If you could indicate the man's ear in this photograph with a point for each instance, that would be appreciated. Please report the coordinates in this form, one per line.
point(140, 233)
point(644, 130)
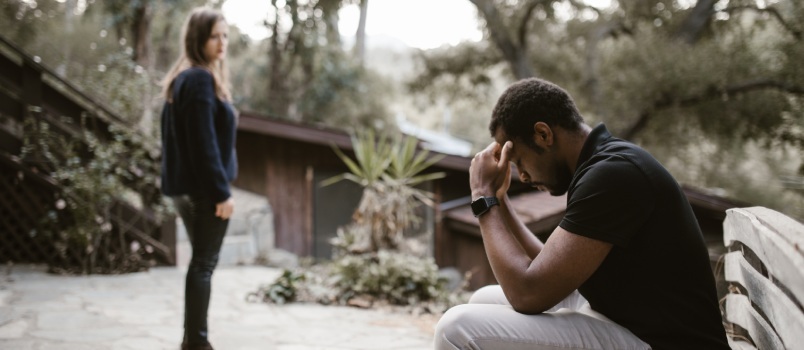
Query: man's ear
point(542, 135)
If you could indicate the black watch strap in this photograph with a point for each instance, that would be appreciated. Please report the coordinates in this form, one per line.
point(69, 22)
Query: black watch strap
point(483, 204)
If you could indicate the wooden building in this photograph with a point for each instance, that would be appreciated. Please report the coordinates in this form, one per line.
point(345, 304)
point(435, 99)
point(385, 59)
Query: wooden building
point(285, 162)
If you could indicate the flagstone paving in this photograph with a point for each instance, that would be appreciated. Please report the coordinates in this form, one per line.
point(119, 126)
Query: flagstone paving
point(41, 311)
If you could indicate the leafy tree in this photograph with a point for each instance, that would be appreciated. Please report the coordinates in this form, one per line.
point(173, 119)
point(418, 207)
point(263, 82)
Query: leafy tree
point(667, 74)
point(132, 19)
point(308, 75)
point(74, 42)
point(22, 21)
point(145, 22)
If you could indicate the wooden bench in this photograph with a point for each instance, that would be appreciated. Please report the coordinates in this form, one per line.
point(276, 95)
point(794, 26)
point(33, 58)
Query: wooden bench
point(764, 268)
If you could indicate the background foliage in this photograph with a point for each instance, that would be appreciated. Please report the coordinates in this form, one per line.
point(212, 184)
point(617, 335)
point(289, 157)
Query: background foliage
point(95, 176)
point(713, 88)
point(366, 280)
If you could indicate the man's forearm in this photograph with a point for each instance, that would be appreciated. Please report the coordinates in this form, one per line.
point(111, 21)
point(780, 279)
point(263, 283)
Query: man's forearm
point(508, 260)
point(529, 242)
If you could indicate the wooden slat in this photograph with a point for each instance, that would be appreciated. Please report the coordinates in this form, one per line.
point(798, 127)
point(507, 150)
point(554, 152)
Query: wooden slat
point(740, 312)
point(740, 345)
point(779, 251)
point(786, 317)
point(127, 218)
point(791, 230)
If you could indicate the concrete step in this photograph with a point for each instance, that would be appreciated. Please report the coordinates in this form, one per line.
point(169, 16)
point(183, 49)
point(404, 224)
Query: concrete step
point(236, 250)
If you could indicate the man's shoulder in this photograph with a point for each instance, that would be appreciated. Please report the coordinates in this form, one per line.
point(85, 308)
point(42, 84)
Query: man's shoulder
point(617, 166)
point(616, 154)
point(613, 173)
point(615, 146)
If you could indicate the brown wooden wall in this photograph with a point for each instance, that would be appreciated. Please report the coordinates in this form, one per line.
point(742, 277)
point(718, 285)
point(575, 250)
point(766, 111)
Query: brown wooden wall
point(464, 250)
point(282, 170)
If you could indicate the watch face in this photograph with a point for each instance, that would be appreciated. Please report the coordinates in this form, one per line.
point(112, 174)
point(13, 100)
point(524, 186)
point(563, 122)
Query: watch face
point(479, 205)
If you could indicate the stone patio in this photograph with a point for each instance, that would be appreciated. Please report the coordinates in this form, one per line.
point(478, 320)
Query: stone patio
point(144, 311)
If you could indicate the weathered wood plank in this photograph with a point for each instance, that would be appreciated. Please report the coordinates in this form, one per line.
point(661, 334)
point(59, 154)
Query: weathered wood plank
point(791, 230)
point(740, 345)
point(784, 315)
point(779, 251)
point(740, 312)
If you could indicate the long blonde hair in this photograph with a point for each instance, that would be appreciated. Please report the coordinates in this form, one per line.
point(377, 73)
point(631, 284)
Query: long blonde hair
point(196, 33)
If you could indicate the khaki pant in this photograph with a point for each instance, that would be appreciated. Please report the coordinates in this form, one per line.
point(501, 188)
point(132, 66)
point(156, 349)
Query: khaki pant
point(489, 322)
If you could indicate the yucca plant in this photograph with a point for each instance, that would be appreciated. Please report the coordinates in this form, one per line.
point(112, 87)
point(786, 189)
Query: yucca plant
point(373, 156)
point(406, 165)
point(388, 170)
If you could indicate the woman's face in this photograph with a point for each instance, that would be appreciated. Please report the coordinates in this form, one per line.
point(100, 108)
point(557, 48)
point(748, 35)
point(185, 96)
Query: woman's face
point(215, 48)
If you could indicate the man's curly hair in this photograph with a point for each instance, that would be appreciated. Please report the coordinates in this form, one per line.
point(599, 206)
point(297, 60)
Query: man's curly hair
point(533, 100)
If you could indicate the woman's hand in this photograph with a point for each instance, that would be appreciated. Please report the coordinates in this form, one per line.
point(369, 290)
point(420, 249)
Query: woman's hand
point(490, 172)
point(224, 209)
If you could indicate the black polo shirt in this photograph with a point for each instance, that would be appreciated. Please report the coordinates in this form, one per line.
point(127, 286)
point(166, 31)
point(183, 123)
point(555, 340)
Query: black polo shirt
point(656, 281)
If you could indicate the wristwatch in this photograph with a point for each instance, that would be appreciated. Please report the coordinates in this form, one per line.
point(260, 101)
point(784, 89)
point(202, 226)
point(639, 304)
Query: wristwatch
point(483, 204)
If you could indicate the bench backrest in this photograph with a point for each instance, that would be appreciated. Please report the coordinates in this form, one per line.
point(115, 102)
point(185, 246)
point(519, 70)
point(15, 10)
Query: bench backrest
point(765, 271)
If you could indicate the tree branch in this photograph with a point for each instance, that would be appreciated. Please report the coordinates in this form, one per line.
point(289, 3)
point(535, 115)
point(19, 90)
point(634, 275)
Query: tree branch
point(712, 92)
point(515, 55)
point(591, 82)
point(771, 10)
point(522, 31)
point(697, 20)
point(585, 6)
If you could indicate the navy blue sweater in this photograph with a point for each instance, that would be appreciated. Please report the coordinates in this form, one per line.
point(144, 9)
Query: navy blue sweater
point(198, 139)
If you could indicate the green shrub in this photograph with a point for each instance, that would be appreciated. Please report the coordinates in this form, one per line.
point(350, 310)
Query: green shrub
point(92, 174)
point(401, 279)
point(385, 277)
point(283, 290)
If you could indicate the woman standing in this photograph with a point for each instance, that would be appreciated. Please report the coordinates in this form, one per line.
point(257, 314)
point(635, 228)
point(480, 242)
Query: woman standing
point(198, 157)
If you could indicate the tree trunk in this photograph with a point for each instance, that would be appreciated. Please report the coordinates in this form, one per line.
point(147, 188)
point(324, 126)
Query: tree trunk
point(330, 16)
point(514, 53)
point(277, 101)
point(360, 35)
point(69, 15)
point(591, 74)
point(300, 53)
point(141, 30)
point(696, 22)
point(163, 59)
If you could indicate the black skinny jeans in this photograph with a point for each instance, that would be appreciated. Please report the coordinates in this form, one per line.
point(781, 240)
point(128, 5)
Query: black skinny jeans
point(205, 231)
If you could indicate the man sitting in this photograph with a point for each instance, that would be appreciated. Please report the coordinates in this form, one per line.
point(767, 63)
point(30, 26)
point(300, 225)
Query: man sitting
point(625, 269)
